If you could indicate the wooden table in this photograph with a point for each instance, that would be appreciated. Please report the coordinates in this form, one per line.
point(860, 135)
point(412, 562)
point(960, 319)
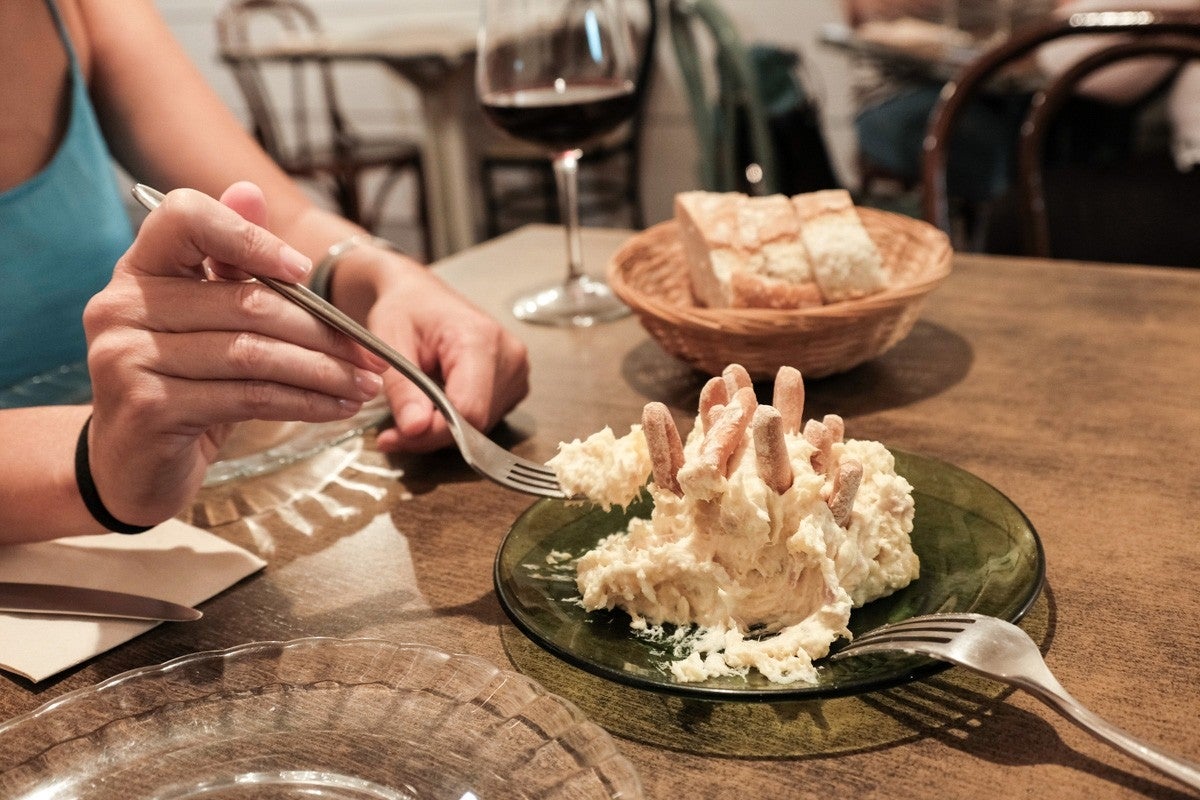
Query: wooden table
point(1070, 387)
point(438, 59)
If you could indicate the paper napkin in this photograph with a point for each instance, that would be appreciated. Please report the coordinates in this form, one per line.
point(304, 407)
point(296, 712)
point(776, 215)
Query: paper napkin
point(174, 561)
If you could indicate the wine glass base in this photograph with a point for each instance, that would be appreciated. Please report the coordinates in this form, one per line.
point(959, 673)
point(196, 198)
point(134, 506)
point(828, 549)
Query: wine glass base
point(578, 303)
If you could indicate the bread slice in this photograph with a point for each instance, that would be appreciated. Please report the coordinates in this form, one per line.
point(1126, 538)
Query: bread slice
point(776, 272)
point(845, 262)
point(744, 252)
point(708, 230)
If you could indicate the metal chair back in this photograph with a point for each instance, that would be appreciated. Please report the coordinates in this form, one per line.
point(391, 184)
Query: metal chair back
point(722, 86)
point(1143, 33)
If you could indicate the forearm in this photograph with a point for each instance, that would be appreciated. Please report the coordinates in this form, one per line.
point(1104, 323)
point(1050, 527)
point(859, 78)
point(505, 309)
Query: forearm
point(169, 128)
point(39, 499)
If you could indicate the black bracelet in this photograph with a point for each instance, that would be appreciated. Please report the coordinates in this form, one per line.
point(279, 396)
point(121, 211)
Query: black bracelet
point(87, 489)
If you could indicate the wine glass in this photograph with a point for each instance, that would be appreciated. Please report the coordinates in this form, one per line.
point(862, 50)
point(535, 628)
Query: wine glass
point(559, 74)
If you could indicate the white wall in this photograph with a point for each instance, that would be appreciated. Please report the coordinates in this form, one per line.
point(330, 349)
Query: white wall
point(671, 152)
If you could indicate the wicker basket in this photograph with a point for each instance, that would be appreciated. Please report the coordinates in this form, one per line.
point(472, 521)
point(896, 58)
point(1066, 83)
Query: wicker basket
point(649, 273)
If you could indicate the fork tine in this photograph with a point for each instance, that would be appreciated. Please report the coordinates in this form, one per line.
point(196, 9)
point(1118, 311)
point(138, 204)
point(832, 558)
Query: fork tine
point(884, 646)
point(916, 633)
point(910, 634)
point(534, 478)
point(927, 629)
point(942, 622)
point(964, 618)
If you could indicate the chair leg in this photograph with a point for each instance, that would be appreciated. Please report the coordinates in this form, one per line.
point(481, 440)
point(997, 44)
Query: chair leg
point(491, 202)
point(373, 217)
point(348, 197)
point(423, 212)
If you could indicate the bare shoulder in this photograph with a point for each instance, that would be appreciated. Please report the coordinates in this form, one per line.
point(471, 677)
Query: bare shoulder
point(101, 25)
point(34, 77)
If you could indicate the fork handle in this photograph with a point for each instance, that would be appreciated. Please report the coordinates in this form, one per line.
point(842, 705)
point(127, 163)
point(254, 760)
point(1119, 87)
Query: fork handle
point(1183, 771)
point(334, 317)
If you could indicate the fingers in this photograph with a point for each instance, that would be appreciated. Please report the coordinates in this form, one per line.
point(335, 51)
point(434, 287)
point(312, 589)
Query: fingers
point(189, 227)
point(217, 356)
point(212, 377)
point(184, 307)
point(248, 201)
point(485, 372)
point(190, 344)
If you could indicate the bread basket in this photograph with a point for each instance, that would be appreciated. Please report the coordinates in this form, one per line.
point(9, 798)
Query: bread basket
point(650, 274)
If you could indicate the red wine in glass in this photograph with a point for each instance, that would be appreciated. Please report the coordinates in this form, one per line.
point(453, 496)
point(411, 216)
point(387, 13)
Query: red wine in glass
point(559, 74)
point(562, 118)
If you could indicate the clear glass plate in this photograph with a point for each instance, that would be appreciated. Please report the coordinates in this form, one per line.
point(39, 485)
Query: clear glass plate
point(978, 553)
point(254, 448)
point(352, 719)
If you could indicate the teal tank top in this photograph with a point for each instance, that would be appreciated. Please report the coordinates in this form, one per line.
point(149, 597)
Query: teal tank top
point(61, 233)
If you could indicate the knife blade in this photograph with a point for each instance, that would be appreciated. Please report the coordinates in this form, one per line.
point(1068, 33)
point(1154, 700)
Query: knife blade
point(49, 598)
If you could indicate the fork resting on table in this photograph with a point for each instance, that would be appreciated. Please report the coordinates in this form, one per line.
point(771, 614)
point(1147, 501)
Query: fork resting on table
point(481, 453)
point(1002, 651)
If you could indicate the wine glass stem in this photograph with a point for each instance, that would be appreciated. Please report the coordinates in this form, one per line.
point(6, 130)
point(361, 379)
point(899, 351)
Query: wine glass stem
point(566, 175)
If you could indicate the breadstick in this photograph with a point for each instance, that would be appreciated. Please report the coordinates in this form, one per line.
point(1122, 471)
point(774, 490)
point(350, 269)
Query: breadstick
point(774, 466)
point(664, 444)
point(836, 426)
point(845, 487)
point(736, 378)
point(746, 399)
point(715, 393)
point(818, 436)
point(789, 398)
point(723, 437)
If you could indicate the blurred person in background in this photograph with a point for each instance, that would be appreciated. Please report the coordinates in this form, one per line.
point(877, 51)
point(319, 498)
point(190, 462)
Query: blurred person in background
point(893, 99)
point(1129, 83)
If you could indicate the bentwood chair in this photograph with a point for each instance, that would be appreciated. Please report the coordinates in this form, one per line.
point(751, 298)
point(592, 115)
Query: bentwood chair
point(736, 149)
point(518, 180)
point(1136, 211)
point(305, 128)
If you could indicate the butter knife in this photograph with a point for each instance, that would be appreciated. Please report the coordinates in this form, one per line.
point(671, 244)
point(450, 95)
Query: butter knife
point(49, 598)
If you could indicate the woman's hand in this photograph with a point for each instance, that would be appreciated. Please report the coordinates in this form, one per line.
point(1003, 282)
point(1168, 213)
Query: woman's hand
point(483, 367)
point(175, 360)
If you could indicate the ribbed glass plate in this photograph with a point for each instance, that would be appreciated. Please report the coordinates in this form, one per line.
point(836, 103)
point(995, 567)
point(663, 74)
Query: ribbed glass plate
point(978, 553)
point(254, 448)
point(356, 719)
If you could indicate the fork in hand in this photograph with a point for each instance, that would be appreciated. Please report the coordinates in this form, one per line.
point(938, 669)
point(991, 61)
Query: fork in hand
point(481, 453)
point(1002, 651)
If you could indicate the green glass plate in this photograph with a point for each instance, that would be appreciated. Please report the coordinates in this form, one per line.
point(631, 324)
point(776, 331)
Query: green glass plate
point(978, 552)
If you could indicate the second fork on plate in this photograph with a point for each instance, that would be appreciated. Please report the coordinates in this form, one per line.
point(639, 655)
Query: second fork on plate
point(1000, 650)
